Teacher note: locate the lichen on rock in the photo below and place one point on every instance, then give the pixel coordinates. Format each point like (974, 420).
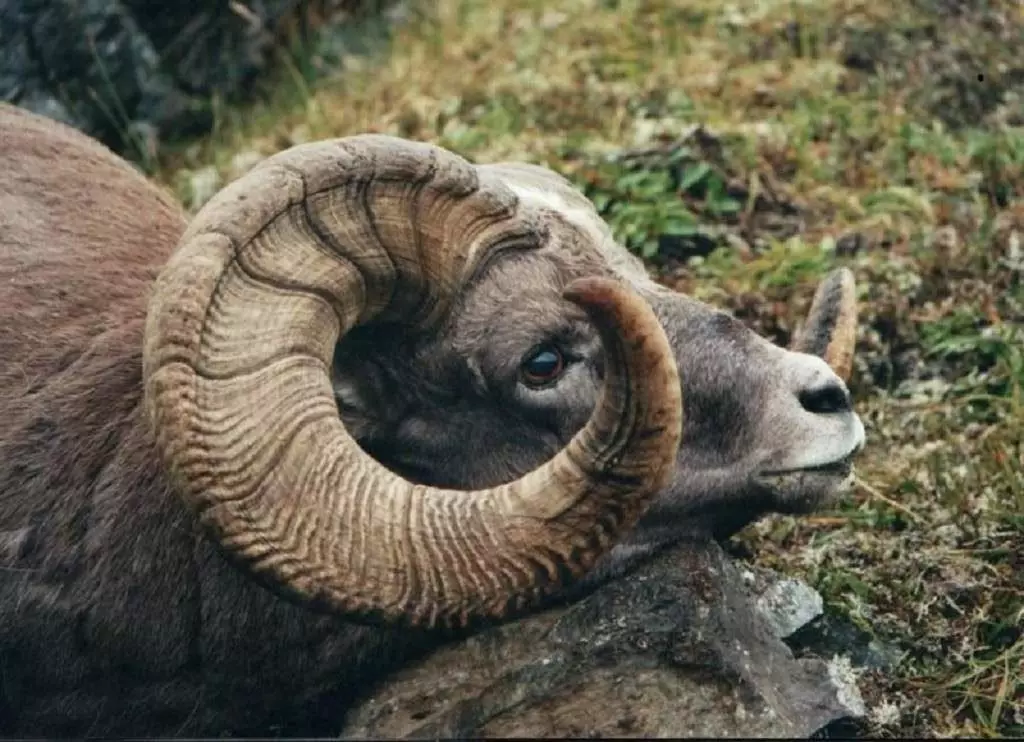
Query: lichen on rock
(684, 646)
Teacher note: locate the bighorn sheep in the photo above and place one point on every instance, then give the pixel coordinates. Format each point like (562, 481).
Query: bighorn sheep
(369, 393)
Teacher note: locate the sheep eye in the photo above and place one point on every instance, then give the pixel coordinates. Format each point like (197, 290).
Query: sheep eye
(542, 366)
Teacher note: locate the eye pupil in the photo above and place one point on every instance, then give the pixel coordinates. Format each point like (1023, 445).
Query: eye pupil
(544, 365)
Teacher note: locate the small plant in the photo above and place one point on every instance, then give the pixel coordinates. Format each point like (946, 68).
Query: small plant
(644, 204)
(995, 351)
(785, 263)
(641, 207)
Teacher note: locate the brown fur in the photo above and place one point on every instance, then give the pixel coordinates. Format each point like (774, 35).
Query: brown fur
(107, 590)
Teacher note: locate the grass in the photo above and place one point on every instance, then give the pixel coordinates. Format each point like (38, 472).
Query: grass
(768, 143)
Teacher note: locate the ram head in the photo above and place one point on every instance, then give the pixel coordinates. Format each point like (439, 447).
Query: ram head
(511, 386)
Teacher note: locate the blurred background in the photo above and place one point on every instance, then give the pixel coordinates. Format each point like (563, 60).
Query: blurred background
(743, 149)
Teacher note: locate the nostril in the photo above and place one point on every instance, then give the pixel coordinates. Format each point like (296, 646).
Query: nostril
(825, 399)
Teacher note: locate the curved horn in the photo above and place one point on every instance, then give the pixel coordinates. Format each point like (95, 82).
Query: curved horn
(239, 339)
(830, 331)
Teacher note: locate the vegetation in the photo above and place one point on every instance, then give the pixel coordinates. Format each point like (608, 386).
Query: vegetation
(745, 149)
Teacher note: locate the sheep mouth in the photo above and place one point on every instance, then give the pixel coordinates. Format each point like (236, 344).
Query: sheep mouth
(807, 489)
(840, 467)
(844, 466)
(837, 467)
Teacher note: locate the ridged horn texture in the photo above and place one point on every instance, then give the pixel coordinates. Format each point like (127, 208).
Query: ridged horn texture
(240, 335)
(830, 331)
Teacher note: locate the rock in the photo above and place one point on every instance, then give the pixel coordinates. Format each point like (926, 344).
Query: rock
(115, 68)
(87, 63)
(787, 604)
(686, 645)
(208, 46)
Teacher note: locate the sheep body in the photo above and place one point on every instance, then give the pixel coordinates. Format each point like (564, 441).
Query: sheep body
(107, 587)
(120, 616)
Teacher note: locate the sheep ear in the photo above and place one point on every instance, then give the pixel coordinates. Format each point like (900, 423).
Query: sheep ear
(830, 330)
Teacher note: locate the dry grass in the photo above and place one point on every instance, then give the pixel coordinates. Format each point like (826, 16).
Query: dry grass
(883, 136)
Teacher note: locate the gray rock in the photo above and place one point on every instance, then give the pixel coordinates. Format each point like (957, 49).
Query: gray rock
(134, 72)
(89, 64)
(787, 604)
(684, 646)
